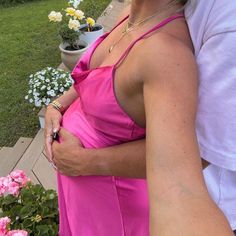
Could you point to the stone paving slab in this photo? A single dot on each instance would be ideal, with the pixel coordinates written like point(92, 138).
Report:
point(5, 154)
point(14, 156)
point(111, 13)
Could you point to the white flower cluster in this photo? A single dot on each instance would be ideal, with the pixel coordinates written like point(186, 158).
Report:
point(47, 84)
point(75, 3)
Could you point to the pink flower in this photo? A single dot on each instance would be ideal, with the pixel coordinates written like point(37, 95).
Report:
point(4, 223)
point(13, 188)
point(4, 183)
point(20, 177)
point(6, 180)
point(17, 233)
point(2, 187)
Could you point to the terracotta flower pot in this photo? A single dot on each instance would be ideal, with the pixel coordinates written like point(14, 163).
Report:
point(71, 57)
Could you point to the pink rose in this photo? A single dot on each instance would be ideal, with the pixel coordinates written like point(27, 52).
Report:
point(20, 177)
point(14, 189)
point(17, 233)
point(4, 223)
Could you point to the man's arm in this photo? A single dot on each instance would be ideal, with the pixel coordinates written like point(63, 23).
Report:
point(179, 201)
point(126, 160)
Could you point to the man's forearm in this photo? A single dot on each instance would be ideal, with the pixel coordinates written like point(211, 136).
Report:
point(125, 160)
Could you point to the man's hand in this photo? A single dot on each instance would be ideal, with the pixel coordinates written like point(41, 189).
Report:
point(69, 155)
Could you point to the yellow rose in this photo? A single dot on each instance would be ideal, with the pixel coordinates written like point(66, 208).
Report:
point(70, 11)
point(90, 21)
point(74, 24)
point(79, 14)
point(55, 16)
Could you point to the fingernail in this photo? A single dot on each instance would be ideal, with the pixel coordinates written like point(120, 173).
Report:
point(55, 130)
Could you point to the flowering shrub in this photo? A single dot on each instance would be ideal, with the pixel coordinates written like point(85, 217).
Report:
point(47, 84)
point(26, 209)
point(4, 228)
point(70, 23)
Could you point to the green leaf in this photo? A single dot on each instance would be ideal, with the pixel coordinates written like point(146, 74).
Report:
point(27, 223)
point(27, 196)
point(9, 199)
point(43, 230)
point(14, 212)
point(26, 211)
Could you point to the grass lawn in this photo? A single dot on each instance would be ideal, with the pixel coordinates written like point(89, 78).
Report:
point(28, 43)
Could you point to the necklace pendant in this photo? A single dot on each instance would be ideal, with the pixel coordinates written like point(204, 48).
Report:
point(111, 48)
point(126, 29)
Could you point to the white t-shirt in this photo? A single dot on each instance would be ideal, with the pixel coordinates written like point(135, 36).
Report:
point(212, 25)
point(213, 29)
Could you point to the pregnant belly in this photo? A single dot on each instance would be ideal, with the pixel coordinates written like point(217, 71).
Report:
point(74, 121)
point(112, 204)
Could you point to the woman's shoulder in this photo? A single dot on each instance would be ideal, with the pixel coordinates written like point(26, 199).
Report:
point(164, 53)
point(166, 42)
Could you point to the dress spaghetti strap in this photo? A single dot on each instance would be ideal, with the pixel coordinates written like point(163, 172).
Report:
point(119, 23)
point(156, 27)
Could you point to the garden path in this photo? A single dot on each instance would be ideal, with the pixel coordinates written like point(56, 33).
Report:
point(27, 153)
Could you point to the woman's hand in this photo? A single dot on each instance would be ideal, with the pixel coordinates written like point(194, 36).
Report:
point(69, 155)
point(52, 124)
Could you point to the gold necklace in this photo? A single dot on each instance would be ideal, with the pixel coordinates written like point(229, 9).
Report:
point(127, 29)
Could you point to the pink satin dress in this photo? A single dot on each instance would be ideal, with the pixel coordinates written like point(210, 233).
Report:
point(98, 205)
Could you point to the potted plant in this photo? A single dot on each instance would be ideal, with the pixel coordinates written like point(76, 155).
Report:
point(91, 30)
point(45, 86)
point(69, 23)
point(27, 209)
point(72, 48)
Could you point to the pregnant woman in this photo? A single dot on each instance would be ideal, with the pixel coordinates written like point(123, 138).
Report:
point(141, 74)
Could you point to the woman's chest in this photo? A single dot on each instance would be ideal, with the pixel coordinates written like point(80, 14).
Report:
point(114, 80)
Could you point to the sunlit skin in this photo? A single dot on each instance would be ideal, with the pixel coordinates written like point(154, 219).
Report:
point(157, 86)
